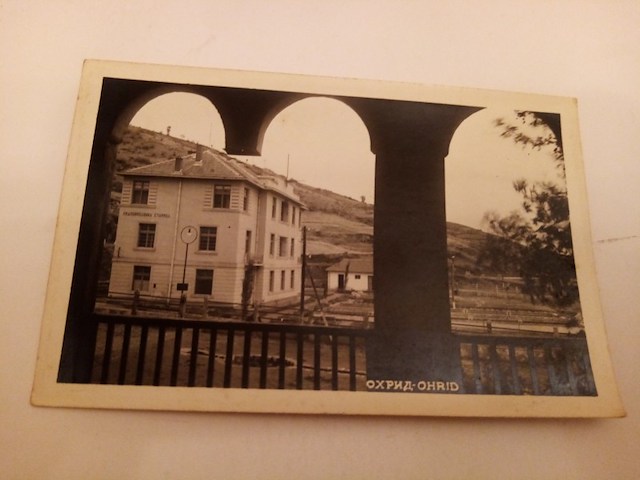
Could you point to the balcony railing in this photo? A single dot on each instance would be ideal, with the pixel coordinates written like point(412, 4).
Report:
point(526, 365)
point(254, 259)
point(172, 352)
point(232, 354)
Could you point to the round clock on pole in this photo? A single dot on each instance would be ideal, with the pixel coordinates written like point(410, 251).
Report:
point(189, 234)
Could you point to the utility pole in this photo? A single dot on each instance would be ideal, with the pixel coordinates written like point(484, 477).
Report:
point(304, 269)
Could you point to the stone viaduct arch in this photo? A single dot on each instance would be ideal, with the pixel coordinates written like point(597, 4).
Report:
point(410, 141)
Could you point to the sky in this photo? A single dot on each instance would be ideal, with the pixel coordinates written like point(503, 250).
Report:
point(320, 141)
point(323, 143)
point(482, 166)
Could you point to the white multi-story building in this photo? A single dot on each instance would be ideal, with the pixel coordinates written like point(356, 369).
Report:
point(240, 232)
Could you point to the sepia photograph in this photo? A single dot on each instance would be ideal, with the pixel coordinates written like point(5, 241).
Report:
point(230, 241)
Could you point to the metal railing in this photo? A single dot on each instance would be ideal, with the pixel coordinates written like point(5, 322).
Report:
point(178, 352)
point(511, 365)
point(253, 258)
point(232, 354)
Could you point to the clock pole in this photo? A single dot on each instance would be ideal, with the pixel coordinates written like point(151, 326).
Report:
point(188, 236)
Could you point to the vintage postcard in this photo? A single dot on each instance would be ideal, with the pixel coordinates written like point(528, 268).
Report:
point(250, 242)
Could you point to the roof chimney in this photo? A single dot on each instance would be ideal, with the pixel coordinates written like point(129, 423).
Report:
point(199, 150)
point(178, 164)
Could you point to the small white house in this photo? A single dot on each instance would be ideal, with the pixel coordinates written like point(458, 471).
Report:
point(351, 274)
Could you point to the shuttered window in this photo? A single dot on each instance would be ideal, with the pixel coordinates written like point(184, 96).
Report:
point(139, 193)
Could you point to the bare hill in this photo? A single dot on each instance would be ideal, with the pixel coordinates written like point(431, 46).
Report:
point(337, 225)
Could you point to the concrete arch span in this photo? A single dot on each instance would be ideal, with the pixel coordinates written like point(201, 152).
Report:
point(410, 141)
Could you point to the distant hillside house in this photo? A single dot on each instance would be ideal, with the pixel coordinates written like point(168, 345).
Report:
point(245, 232)
point(351, 274)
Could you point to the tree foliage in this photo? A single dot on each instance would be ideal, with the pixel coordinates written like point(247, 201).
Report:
point(532, 130)
point(535, 241)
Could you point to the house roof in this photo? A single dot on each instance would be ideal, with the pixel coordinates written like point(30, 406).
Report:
point(214, 165)
point(355, 265)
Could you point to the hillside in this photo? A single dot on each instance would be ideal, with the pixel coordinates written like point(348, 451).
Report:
point(142, 147)
point(337, 225)
point(465, 243)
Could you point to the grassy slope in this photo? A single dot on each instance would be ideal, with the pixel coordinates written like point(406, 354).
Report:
point(338, 225)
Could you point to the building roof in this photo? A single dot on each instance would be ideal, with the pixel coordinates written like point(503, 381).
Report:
point(355, 265)
point(214, 165)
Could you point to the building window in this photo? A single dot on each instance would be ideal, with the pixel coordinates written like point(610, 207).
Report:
point(140, 194)
point(247, 242)
point(293, 247)
point(271, 280)
point(282, 250)
point(274, 207)
point(272, 244)
point(293, 216)
point(282, 280)
point(141, 278)
point(357, 277)
point(146, 235)
point(204, 282)
point(284, 211)
point(221, 196)
point(208, 237)
point(293, 278)
point(245, 200)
